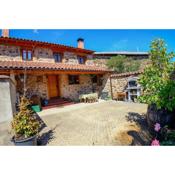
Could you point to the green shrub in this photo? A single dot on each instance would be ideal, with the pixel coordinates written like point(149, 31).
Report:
point(158, 87)
point(116, 63)
point(122, 64)
point(24, 124)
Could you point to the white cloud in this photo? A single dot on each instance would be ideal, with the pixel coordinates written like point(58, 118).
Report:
point(35, 31)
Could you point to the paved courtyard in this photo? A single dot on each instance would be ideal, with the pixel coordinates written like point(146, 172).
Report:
point(103, 123)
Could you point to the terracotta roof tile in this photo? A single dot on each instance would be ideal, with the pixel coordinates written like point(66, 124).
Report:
point(127, 74)
point(31, 65)
point(18, 41)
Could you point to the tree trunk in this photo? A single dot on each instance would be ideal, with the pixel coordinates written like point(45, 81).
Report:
point(161, 116)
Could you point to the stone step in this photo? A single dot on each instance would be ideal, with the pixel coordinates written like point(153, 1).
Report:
point(53, 105)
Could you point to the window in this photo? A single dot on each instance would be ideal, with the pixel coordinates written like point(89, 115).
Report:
point(81, 60)
point(73, 79)
point(27, 55)
point(57, 57)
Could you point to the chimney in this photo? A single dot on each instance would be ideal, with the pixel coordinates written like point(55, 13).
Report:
point(5, 32)
point(80, 43)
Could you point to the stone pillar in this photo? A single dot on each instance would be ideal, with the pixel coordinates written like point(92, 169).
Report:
point(7, 98)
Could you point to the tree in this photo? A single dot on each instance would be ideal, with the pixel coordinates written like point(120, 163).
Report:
point(116, 63)
point(24, 123)
point(158, 87)
point(122, 64)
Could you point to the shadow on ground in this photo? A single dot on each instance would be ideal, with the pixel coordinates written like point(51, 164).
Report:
point(140, 136)
point(46, 137)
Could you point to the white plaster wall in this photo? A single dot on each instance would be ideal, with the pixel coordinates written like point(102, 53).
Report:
point(6, 108)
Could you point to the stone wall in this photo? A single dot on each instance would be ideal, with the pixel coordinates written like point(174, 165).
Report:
point(118, 84)
point(38, 85)
point(105, 90)
point(35, 85)
point(43, 54)
point(70, 58)
point(85, 86)
point(9, 53)
point(40, 54)
point(73, 91)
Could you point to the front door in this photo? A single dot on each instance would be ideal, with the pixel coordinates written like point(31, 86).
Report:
point(53, 86)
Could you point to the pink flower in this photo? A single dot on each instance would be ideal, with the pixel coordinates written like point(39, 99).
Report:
point(157, 127)
point(155, 142)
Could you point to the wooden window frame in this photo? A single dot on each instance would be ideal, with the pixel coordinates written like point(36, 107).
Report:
point(27, 50)
point(61, 55)
point(74, 83)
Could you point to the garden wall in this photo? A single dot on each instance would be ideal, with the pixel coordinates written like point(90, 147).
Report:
point(118, 82)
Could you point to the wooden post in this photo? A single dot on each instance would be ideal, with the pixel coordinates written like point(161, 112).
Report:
point(111, 88)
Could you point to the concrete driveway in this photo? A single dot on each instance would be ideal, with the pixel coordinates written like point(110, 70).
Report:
point(102, 123)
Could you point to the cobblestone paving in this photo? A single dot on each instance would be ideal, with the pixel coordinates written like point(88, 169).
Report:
point(91, 124)
point(5, 135)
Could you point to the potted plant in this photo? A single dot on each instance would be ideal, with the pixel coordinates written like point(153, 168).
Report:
point(158, 86)
point(25, 125)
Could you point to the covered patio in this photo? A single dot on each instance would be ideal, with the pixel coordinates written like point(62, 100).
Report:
point(54, 81)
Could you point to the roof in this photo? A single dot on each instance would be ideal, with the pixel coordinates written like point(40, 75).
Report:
point(35, 43)
point(126, 74)
point(31, 65)
point(121, 53)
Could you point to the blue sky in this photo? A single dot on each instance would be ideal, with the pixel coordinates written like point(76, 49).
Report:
point(101, 40)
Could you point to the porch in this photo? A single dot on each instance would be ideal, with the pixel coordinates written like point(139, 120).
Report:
point(57, 102)
point(49, 80)
point(55, 89)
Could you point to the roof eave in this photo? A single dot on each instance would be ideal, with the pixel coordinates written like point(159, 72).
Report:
point(20, 42)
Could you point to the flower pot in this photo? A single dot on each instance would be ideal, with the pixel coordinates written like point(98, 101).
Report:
point(161, 116)
point(32, 141)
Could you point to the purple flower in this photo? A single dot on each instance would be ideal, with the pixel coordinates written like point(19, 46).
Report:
point(157, 127)
point(155, 142)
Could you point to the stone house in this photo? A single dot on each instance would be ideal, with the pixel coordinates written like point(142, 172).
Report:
point(50, 70)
